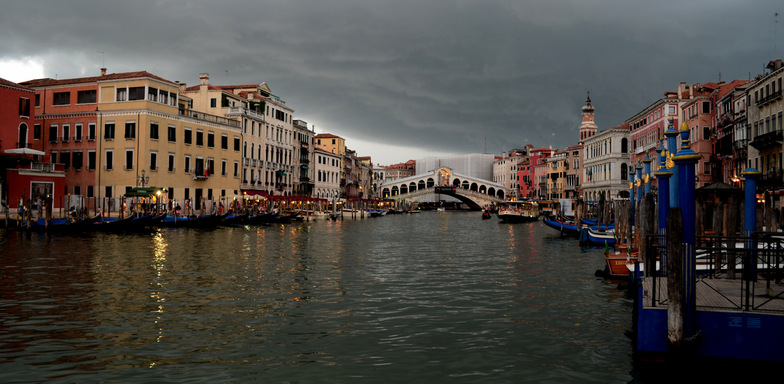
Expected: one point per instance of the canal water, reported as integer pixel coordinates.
(433, 297)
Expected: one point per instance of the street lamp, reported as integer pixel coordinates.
(143, 180)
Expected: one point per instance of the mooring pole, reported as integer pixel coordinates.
(685, 161)
(663, 176)
(749, 226)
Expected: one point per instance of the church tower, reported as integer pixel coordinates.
(587, 127)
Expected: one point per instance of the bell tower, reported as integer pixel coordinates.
(587, 127)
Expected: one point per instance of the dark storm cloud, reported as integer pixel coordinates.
(442, 76)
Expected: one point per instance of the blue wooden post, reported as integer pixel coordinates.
(672, 146)
(685, 161)
(663, 176)
(639, 181)
(646, 164)
(631, 192)
(750, 222)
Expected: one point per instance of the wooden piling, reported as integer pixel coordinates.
(675, 288)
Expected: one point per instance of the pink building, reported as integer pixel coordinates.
(532, 174)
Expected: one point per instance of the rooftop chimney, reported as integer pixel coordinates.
(204, 78)
(103, 71)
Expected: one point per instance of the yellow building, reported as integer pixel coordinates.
(151, 136)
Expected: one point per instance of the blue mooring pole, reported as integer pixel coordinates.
(685, 161)
(663, 176)
(672, 145)
(750, 223)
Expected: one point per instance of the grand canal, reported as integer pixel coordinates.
(430, 297)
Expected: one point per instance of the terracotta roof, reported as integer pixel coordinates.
(327, 135)
(11, 84)
(48, 82)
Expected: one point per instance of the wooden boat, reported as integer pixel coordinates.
(261, 218)
(565, 227)
(617, 262)
(288, 217)
(518, 211)
(600, 237)
(202, 221)
(377, 213)
(128, 224)
(486, 215)
(234, 219)
(62, 225)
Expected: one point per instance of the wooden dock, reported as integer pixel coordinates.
(722, 295)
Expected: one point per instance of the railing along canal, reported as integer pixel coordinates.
(752, 268)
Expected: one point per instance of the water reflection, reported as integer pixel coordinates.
(429, 297)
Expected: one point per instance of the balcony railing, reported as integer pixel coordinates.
(208, 117)
(773, 96)
(233, 111)
(770, 139)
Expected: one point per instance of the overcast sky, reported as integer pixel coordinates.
(403, 79)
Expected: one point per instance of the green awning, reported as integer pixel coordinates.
(281, 173)
(142, 191)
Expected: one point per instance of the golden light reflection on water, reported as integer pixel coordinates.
(159, 247)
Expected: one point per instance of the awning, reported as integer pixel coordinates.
(255, 192)
(142, 192)
(281, 173)
(24, 151)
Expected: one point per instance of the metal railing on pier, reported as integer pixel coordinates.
(733, 273)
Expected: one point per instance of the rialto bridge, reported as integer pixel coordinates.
(476, 193)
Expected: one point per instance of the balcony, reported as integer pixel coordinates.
(774, 96)
(242, 111)
(208, 117)
(741, 144)
(768, 140)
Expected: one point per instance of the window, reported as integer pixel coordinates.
(130, 129)
(85, 97)
(37, 132)
(223, 167)
(91, 131)
(37, 100)
(109, 163)
(224, 141)
(65, 158)
(213, 102)
(129, 159)
(152, 94)
(136, 93)
(108, 131)
(172, 133)
(78, 160)
(53, 133)
(91, 160)
(210, 139)
(187, 164)
(153, 161)
(24, 107)
(171, 162)
(78, 132)
(188, 136)
(107, 191)
(53, 157)
(122, 94)
(163, 97)
(90, 191)
(66, 132)
(236, 143)
(154, 130)
(236, 169)
(706, 166)
(61, 98)
(199, 137)
(706, 132)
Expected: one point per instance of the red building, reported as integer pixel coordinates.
(23, 175)
(527, 172)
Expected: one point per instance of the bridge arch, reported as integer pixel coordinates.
(412, 187)
(403, 188)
